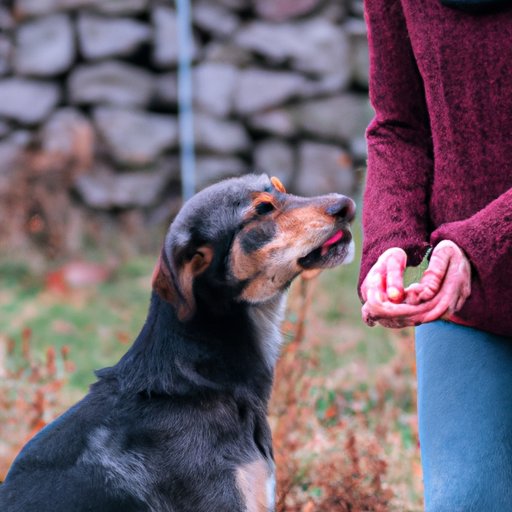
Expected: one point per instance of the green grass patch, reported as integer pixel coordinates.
(98, 323)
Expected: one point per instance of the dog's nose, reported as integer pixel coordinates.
(343, 207)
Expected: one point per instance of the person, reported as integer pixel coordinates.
(438, 185)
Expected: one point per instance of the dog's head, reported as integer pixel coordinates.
(245, 239)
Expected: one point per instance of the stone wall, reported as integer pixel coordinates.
(279, 86)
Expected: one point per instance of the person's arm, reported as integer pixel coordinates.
(486, 239)
(395, 203)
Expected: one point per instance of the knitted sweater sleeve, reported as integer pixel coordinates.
(486, 238)
(400, 165)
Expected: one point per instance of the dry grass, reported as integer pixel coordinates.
(345, 440)
(30, 393)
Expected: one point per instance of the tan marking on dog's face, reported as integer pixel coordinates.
(252, 481)
(263, 197)
(298, 231)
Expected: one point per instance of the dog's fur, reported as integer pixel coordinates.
(179, 423)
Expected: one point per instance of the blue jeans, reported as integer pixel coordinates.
(465, 418)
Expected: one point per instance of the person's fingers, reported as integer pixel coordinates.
(461, 301)
(395, 315)
(364, 290)
(374, 297)
(374, 281)
(442, 310)
(433, 277)
(415, 288)
(370, 322)
(375, 278)
(445, 302)
(392, 265)
(393, 322)
(463, 271)
(412, 293)
(373, 315)
(465, 291)
(403, 315)
(368, 319)
(441, 292)
(395, 266)
(386, 275)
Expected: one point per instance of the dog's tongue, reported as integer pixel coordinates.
(334, 238)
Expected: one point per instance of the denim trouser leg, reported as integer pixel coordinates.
(465, 418)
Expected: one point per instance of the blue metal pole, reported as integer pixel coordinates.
(185, 110)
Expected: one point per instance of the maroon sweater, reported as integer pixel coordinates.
(440, 145)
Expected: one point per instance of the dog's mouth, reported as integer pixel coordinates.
(330, 253)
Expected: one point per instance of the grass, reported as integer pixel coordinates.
(96, 323)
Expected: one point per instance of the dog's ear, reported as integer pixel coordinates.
(179, 292)
(277, 184)
(193, 267)
(162, 281)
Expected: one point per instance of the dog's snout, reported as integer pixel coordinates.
(343, 207)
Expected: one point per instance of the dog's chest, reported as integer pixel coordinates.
(266, 319)
(256, 482)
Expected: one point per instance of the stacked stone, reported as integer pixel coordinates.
(279, 86)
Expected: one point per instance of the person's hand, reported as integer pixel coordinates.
(448, 277)
(385, 280)
(441, 292)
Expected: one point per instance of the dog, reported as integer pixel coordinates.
(179, 424)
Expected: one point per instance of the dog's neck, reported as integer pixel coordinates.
(231, 353)
(266, 319)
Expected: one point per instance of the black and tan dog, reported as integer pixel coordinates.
(179, 423)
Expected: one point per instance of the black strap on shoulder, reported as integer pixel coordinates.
(476, 5)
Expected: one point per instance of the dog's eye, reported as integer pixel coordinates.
(264, 207)
(263, 203)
